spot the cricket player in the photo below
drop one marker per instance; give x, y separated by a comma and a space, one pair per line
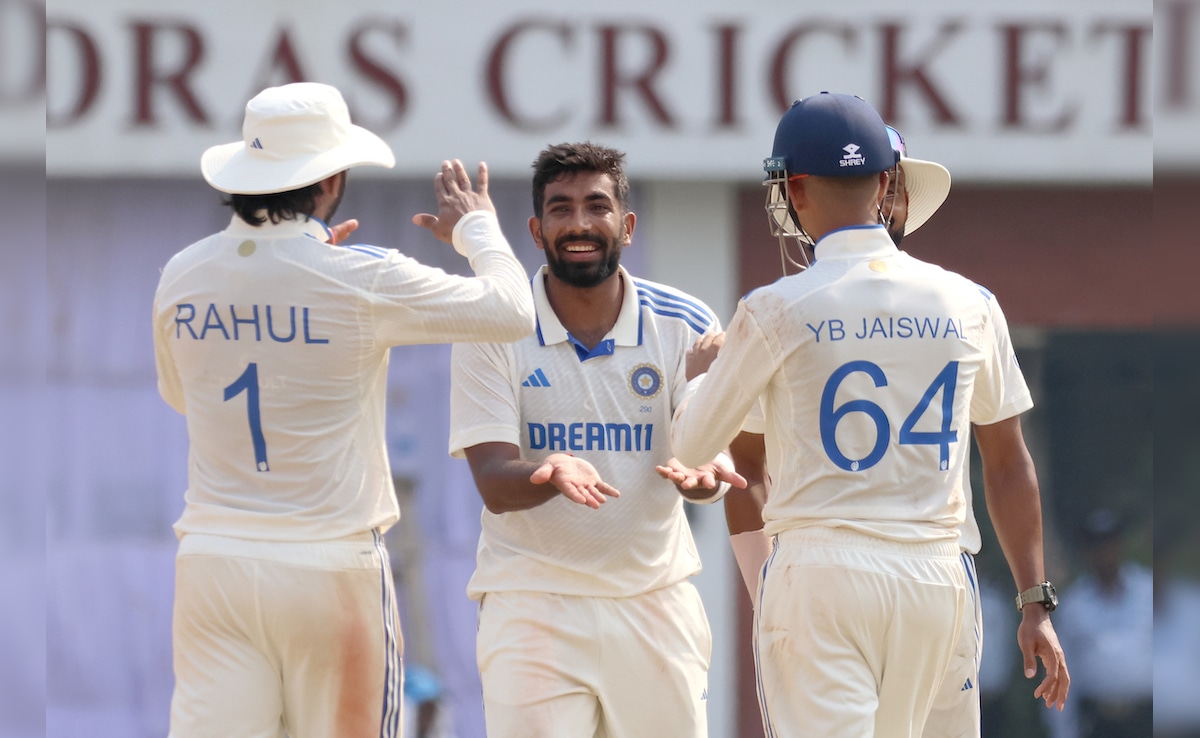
588, 625
274, 343
872, 367
916, 189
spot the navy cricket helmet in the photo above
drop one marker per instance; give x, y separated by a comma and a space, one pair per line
826, 135
831, 135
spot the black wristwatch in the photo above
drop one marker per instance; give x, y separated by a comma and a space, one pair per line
1043, 593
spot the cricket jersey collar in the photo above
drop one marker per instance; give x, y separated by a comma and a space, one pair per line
856, 242
626, 332
311, 226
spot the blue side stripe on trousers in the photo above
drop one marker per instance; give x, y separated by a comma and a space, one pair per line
973, 579
393, 676
762, 698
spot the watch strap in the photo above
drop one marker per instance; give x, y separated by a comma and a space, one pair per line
1040, 593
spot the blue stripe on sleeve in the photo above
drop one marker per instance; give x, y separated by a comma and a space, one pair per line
376, 251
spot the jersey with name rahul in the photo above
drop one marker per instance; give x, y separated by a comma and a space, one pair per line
275, 345
612, 406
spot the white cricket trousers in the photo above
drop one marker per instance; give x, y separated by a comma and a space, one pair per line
297, 638
854, 633
956, 710
557, 666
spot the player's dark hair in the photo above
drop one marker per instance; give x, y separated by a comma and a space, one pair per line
567, 159
280, 206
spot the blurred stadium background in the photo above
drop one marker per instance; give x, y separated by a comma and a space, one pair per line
1070, 130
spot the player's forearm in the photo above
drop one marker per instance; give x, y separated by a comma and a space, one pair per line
699, 433
511, 308
505, 487
1015, 508
743, 509
509, 291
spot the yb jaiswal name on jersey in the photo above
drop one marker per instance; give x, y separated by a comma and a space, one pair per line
891, 327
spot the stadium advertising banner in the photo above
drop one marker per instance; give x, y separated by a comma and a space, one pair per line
1017, 90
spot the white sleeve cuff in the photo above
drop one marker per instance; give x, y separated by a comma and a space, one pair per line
476, 232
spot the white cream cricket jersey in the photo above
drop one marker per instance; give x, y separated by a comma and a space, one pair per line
970, 539
611, 406
274, 344
872, 366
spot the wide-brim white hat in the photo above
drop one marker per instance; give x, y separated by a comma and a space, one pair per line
293, 136
928, 185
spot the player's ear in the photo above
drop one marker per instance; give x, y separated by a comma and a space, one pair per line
535, 230
331, 184
797, 192
630, 222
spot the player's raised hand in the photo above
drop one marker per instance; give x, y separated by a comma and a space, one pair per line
576, 479
455, 198
1037, 640
703, 353
342, 231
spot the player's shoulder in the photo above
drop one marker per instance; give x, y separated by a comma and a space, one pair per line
186, 258
665, 301
952, 280
788, 290
370, 253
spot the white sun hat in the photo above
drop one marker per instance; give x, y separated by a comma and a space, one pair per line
293, 136
927, 183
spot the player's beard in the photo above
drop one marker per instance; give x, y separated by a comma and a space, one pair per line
578, 274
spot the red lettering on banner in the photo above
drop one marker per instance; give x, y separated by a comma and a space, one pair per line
1019, 74
497, 69
1178, 62
35, 84
627, 79
376, 72
147, 77
282, 57
1134, 36
89, 77
780, 85
727, 38
613, 80
898, 74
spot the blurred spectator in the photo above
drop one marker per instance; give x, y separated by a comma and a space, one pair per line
1107, 630
1176, 645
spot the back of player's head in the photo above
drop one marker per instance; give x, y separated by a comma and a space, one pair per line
831, 135
567, 159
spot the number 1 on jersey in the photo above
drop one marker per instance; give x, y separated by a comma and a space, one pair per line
249, 383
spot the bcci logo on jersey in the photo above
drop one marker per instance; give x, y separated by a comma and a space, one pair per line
645, 380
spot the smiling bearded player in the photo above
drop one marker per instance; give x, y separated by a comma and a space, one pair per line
588, 624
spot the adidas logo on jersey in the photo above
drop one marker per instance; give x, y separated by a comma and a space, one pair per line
537, 379
256, 144
967, 685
